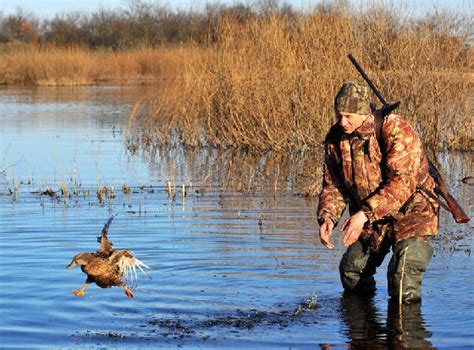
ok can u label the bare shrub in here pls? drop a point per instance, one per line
(268, 82)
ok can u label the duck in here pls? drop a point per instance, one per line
(108, 267)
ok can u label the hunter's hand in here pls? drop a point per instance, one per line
(325, 231)
(353, 227)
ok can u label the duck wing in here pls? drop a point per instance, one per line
(106, 246)
(127, 265)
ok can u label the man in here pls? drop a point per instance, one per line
(385, 183)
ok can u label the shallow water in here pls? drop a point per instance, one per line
(230, 269)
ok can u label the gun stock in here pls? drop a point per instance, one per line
(441, 189)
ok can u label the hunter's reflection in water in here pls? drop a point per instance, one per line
(404, 327)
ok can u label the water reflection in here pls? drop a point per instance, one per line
(404, 327)
(235, 170)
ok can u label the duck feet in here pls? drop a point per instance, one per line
(80, 292)
(128, 292)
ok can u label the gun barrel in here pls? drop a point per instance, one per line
(366, 78)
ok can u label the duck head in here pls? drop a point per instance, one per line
(81, 259)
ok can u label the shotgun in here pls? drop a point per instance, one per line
(441, 189)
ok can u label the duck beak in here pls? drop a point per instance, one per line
(71, 265)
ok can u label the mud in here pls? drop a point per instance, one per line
(238, 320)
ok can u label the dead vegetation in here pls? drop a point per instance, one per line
(53, 65)
(268, 82)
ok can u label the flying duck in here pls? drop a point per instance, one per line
(108, 267)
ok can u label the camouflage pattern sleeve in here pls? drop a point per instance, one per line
(333, 197)
(403, 162)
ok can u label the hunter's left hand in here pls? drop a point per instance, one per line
(353, 227)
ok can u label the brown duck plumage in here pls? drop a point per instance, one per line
(107, 267)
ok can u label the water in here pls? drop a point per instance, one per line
(233, 268)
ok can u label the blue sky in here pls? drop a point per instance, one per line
(51, 7)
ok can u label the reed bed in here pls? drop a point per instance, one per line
(268, 82)
(52, 65)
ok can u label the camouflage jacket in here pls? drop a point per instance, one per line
(390, 192)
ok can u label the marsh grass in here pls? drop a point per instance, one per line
(69, 190)
(52, 65)
(268, 83)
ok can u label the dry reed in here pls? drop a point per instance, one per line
(268, 83)
(51, 65)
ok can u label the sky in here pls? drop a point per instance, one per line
(48, 8)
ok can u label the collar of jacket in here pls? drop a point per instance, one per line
(366, 130)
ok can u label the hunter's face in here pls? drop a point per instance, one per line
(350, 121)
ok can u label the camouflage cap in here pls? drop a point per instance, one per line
(352, 98)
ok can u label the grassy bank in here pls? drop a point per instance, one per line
(52, 65)
(268, 83)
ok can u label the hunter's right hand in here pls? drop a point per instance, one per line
(325, 231)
